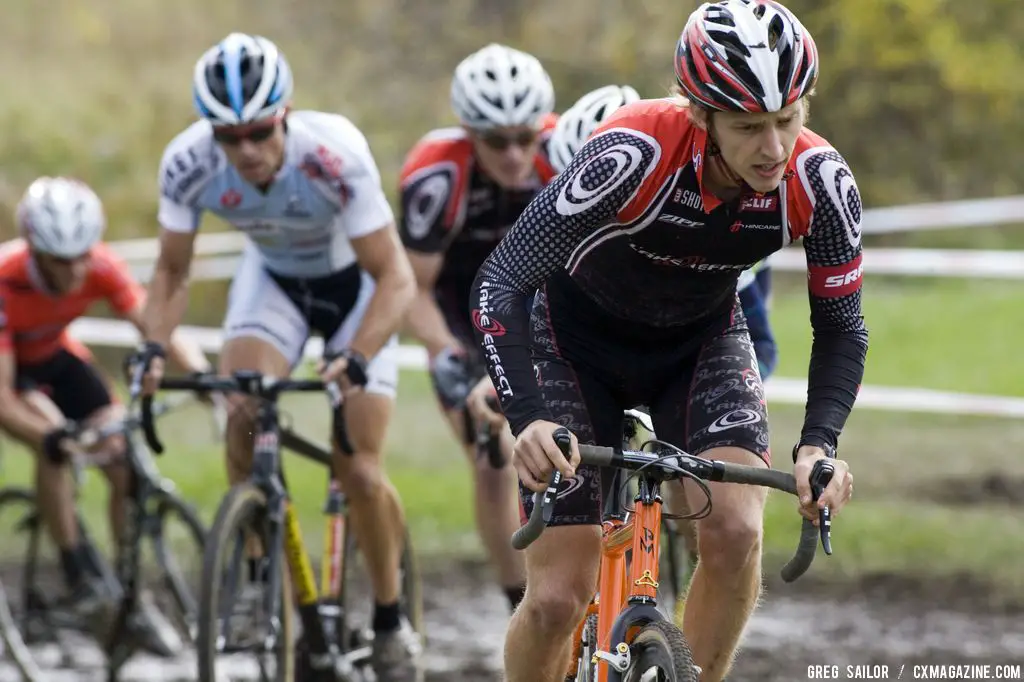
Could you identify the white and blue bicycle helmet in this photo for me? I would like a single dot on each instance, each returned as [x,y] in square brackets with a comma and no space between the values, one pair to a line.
[242,79]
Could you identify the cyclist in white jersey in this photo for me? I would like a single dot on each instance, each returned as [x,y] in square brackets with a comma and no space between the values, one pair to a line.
[322,255]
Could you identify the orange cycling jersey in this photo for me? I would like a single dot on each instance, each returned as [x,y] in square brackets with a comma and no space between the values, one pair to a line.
[34,322]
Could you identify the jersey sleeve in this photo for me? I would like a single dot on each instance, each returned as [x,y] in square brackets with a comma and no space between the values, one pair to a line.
[834,274]
[116,283]
[364,209]
[6,337]
[601,179]
[428,194]
[184,168]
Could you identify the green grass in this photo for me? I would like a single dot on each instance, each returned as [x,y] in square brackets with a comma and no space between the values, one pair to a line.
[892,525]
[948,334]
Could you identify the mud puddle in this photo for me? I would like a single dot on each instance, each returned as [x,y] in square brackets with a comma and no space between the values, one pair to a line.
[467,617]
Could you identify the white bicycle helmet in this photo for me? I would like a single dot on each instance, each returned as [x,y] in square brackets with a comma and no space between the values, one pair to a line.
[498,86]
[745,55]
[61,217]
[241,79]
[582,118]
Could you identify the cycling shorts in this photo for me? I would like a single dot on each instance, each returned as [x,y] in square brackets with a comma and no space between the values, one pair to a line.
[284,311]
[701,384]
[74,385]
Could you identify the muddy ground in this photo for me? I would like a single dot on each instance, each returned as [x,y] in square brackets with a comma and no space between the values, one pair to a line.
[883,621]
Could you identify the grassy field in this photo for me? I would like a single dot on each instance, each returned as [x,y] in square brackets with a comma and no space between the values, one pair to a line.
[897,523]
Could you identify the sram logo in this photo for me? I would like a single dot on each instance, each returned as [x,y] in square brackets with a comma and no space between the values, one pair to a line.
[833,281]
[843,280]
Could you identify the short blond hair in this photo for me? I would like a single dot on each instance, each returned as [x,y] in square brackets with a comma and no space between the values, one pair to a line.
[699,113]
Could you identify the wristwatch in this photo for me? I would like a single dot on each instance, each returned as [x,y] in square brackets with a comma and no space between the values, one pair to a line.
[830,452]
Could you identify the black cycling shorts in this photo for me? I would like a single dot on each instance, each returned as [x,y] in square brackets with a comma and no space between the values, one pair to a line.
[75,386]
[701,384]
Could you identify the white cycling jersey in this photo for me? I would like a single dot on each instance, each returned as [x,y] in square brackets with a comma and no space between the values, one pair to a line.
[327,192]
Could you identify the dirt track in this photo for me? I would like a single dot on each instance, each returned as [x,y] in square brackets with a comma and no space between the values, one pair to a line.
[884,622]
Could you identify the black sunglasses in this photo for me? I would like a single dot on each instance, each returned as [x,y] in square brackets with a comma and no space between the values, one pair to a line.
[499,142]
[236,135]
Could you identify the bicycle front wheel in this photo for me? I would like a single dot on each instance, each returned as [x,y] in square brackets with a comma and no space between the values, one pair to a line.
[227,605]
[659,653]
[14,645]
[178,541]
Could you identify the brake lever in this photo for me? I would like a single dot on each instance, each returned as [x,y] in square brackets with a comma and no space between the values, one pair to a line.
[821,476]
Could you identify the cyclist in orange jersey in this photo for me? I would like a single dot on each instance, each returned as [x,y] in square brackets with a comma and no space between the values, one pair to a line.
[48,278]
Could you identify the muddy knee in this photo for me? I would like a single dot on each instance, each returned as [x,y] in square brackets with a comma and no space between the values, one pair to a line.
[728,542]
[361,476]
[556,606]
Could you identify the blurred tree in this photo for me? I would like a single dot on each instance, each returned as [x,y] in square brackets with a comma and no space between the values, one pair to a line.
[923,97]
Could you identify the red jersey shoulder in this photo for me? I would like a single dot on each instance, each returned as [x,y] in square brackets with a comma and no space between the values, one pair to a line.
[542,162]
[816,172]
[667,143]
[13,259]
[439,149]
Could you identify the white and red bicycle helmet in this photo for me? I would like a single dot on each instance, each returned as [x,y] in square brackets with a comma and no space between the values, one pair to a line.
[745,55]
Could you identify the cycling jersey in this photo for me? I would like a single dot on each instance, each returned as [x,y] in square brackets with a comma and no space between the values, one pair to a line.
[34,322]
[327,192]
[449,205]
[632,227]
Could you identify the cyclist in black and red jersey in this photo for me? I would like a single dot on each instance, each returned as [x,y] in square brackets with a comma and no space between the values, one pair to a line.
[462,188]
[636,249]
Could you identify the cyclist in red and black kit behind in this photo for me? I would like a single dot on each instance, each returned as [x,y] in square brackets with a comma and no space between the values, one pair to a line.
[636,249]
[462,188]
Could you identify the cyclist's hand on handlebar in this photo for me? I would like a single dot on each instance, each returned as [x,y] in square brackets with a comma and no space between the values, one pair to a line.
[481,402]
[348,369]
[836,494]
[537,454]
[150,357]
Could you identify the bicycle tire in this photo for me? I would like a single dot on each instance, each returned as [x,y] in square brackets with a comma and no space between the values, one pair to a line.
[32,525]
[676,565]
[243,501]
[186,601]
[15,648]
[412,588]
[411,599]
[586,668]
[660,645]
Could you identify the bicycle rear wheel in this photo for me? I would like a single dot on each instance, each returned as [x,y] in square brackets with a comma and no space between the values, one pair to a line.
[242,516]
[357,595]
[659,653]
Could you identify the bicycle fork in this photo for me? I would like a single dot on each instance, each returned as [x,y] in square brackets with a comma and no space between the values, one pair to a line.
[626,596]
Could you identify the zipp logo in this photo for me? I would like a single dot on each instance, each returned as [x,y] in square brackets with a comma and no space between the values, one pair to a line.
[677,220]
[731,420]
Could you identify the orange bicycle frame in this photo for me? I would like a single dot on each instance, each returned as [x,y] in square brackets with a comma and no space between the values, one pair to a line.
[620,587]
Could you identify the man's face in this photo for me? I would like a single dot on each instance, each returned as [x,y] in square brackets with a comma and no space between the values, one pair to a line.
[63,275]
[506,154]
[757,147]
[256,150]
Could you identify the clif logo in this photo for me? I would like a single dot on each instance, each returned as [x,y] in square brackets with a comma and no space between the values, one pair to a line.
[759,202]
